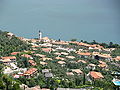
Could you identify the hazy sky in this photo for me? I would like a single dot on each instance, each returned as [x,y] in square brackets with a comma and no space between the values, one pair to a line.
[82,19]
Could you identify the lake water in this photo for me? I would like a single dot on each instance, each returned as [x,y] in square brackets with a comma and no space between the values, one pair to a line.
[65,19]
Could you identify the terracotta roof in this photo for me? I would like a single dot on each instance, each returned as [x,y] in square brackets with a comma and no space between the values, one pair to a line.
[15,53]
[32,62]
[43,63]
[69,73]
[96,75]
[102,65]
[30,71]
[61,62]
[105,55]
[93,65]
[46,49]
[26,55]
[61,42]
[44,89]
[82,61]
[83,44]
[78,71]
[88,45]
[84,54]
[9,57]
[33,40]
[95,53]
[117,58]
[94,45]
[5,60]
[101,55]
[74,42]
[45,38]
[34,46]
[34,49]
[57,53]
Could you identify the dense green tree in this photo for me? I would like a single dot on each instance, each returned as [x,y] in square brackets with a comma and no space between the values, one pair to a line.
[74,39]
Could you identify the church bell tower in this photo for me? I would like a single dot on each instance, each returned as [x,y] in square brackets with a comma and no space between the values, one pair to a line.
[40,35]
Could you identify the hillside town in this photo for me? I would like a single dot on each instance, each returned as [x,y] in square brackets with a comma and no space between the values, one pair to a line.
[63,65]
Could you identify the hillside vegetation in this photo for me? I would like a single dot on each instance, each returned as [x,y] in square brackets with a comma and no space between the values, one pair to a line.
[10,44]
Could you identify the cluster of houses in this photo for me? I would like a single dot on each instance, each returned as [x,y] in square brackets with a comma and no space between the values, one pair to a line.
[55,47]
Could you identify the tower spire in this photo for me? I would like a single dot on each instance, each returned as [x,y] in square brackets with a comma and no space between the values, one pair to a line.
[40,34]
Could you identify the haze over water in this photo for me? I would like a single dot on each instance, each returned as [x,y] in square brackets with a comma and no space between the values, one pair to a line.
[65,19]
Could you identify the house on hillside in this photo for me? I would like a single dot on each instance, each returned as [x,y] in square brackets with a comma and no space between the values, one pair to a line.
[84,54]
[27,56]
[69,73]
[30,73]
[62,63]
[45,39]
[93,75]
[103,65]
[70,57]
[81,61]
[32,63]
[78,71]
[40,55]
[91,66]
[59,58]
[102,56]
[117,58]
[15,53]
[43,63]
[48,50]
[8,60]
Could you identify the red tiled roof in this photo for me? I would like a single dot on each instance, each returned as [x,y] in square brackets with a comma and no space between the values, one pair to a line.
[84,54]
[32,62]
[26,55]
[9,57]
[61,62]
[15,53]
[105,56]
[69,73]
[61,42]
[78,71]
[43,63]
[83,44]
[102,65]
[46,49]
[82,61]
[117,58]
[96,75]
[34,46]
[30,71]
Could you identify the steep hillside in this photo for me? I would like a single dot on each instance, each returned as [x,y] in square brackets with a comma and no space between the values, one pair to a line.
[10,43]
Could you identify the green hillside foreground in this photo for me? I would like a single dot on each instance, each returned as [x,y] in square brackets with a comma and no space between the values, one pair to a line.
[10,44]
[68,70]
